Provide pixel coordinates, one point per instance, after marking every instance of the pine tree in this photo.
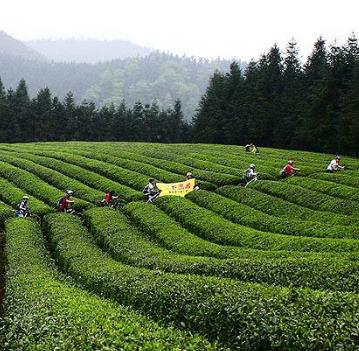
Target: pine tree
(87, 116)
(249, 106)
(41, 110)
(349, 124)
(22, 122)
(292, 98)
(208, 121)
(233, 121)
(56, 127)
(4, 115)
(266, 102)
(122, 124)
(176, 123)
(312, 131)
(71, 120)
(137, 122)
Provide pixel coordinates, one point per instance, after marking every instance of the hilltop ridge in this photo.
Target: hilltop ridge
(13, 47)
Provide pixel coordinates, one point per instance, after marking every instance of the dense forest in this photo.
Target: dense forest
(276, 101)
(46, 118)
(279, 101)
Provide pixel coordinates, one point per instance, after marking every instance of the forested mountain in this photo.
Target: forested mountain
(86, 50)
(159, 77)
(278, 101)
(59, 77)
(12, 47)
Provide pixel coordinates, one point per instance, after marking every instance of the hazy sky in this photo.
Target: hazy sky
(225, 28)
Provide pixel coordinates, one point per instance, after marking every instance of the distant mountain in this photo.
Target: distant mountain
(12, 47)
(154, 76)
(59, 77)
(86, 50)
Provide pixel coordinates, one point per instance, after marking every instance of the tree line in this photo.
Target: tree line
(47, 118)
(280, 102)
(276, 101)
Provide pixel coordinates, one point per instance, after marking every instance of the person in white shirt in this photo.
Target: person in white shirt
(250, 175)
(189, 176)
(22, 209)
(151, 192)
(334, 165)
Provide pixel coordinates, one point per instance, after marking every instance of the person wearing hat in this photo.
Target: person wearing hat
(65, 202)
(289, 170)
(151, 192)
(250, 175)
(334, 165)
(21, 208)
(189, 176)
(248, 147)
(251, 148)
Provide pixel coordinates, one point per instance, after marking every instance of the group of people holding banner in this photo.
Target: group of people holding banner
(153, 190)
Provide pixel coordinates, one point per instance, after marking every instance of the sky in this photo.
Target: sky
(208, 28)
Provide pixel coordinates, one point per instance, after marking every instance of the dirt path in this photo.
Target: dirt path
(2, 269)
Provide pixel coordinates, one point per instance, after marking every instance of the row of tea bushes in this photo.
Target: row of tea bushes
(33, 185)
(205, 170)
(159, 169)
(52, 177)
(257, 220)
(233, 212)
(306, 198)
(278, 207)
(44, 312)
(327, 187)
(242, 315)
(114, 233)
(266, 165)
(153, 158)
(162, 170)
(5, 212)
(348, 178)
(121, 159)
(165, 231)
(129, 178)
(12, 195)
(83, 175)
(171, 235)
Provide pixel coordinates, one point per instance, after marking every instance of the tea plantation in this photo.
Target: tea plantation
(272, 266)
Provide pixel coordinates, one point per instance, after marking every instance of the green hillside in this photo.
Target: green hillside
(272, 266)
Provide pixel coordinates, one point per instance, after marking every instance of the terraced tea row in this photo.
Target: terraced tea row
(278, 207)
(33, 185)
(44, 312)
(52, 177)
(114, 233)
(199, 303)
(89, 178)
(272, 226)
(307, 198)
(12, 195)
(270, 266)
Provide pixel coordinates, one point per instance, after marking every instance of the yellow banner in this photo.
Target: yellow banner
(176, 189)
